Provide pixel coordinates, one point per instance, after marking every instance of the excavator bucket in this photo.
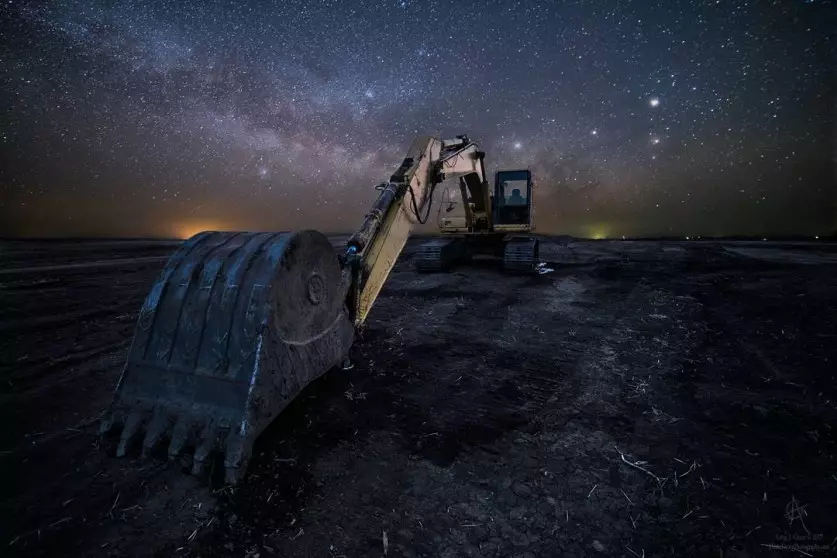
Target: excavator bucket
(235, 327)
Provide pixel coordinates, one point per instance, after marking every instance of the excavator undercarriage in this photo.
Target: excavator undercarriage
(490, 223)
(518, 253)
(239, 323)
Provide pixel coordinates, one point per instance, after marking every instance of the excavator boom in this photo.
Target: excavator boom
(405, 201)
(238, 323)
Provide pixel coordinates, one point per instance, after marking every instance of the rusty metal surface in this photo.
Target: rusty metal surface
(235, 327)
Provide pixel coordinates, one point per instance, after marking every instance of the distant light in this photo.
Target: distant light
(623, 237)
(518, 145)
(687, 238)
(817, 237)
(594, 132)
(764, 238)
(655, 141)
(189, 229)
(654, 102)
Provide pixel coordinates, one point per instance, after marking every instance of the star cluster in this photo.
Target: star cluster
(163, 117)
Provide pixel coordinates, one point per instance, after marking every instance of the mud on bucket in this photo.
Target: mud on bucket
(235, 327)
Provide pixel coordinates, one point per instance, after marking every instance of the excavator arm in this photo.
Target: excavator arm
(403, 202)
(238, 323)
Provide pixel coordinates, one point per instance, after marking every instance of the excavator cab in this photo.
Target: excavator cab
(512, 200)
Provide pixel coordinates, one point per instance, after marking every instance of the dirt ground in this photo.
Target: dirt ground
(644, 398)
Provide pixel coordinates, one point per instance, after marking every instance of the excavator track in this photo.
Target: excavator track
(439, 255)
(235, 327)
(521, 254)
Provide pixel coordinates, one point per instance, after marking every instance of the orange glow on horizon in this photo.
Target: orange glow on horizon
(189, 229)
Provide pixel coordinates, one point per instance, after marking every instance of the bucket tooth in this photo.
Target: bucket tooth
(239, 447)
(133, 426)
(235, 327)
(111, 422)
(232, 475)
(180, 436)
(157, 429)
(208, 443)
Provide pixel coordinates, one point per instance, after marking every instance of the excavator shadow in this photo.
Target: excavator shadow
(345, 408)
(389, 395)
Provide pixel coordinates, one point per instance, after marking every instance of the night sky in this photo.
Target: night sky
(164, 118)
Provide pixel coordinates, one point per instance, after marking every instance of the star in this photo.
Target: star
(125, 103)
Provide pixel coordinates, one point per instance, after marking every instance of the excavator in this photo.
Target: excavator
(238, 323)
(494, 224)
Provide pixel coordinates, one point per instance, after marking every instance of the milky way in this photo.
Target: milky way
(166, 117)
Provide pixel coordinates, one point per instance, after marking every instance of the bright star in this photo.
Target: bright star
(518, 145)
(654, 101)
(594, 132)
